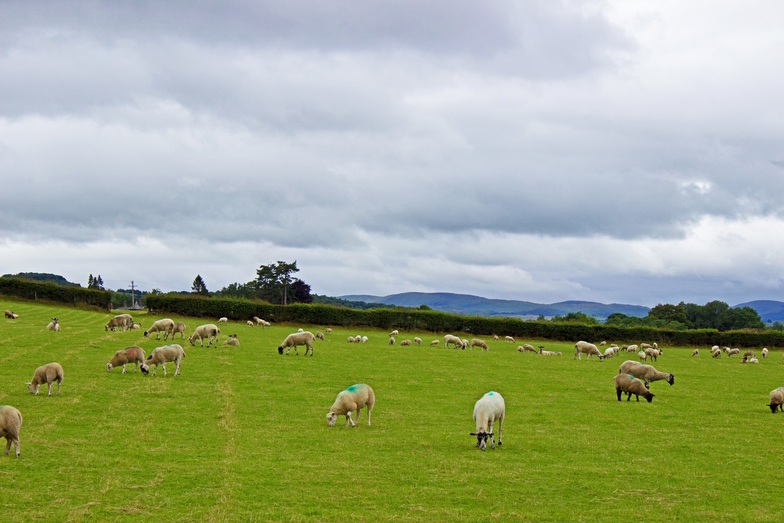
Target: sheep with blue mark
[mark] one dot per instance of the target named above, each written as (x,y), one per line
(487,410)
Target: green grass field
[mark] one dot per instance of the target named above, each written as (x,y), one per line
(241,434)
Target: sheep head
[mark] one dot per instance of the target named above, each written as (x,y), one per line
(331,418)
(280,349)
(145,369)
(481,438)
(109,367)
(671,379)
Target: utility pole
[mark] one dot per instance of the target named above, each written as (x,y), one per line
(133,296)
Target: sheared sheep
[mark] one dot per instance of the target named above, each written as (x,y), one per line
(164,325)
(295,339)
(476,342)
(631,385)
(405,343)
(48,374)
(591,350)
(122,357)
(652,353)
(648,373)
(352,400)
(53,325)
(223,319)
(394,333)
(162,355)
(509,339)
(123,321)
(208,331)
(487,410)
(632,348)
(179,327)
(435,343)
(776,401)
(454,340)
(319,335)
(10,423)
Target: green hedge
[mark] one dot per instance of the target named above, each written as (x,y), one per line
(35,290)
(441,322)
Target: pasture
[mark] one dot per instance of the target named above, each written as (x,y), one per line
(241,434)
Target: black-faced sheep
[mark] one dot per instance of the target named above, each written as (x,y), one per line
(162,355)
(11,316)
(418,340)
(10,423)
(296,339)
(591,350)
(53,325)
(208,331)
(122,357)
(49,373)
(123,321)
(645,372)
(776,400)
(487,410)
(631,385)
(352,400)
(164,325)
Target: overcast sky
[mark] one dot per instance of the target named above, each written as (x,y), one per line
(615,151)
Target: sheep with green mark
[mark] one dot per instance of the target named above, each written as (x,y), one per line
(353,399)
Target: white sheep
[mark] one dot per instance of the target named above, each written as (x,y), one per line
(53,325)
(647,373)
(509,339)
(642,356)
(653,353)
(352,400)
(319,335)
(357,339)
(123,321)
(526,348)
(487,410)
(162,355)
(695,352)
(298,338)
(391,340)
(764,352)
(328,330)
(122,357)
(48,374)
(10,423)
(232,340)
(405,343)
(454,340)
(631,385)
(476,342)
(208,331)
(716,353)
(350,339)
(164,325)
(776,401)
(632,348)
(250,323)
(548,352)
(364,339)
(394,333)
(435,343)
(609,352)
(179,327)
(223,319)
(591,350)
(418,340)
(733,352)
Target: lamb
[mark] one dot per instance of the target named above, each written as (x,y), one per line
(448,338)
(648,373)
(652,353)
(764,352)
(53,325)
(776,401)
(695,352)
(10,423)
(122,357)
(405,343)
(364,339)
(476,342)
(391,340)
(11,316)
(352,400)
(487,410)
(631,385)
(232,340)
(223,319)
(162,355)
(418,341)
(583,347)
(179,327)
(632,348)
(733,352)
(320,335)
(164,325)
(250,323)
(124,321)
(435,343)
(208,331)
(295,339)
(48,374)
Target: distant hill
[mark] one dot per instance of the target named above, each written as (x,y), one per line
(770,311)
(43,276)
(477,306)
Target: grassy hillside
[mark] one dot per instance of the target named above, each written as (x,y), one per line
(241,434)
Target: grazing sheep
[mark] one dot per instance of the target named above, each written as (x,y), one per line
(435,343)
(418,341)
(642,356)
(122,357)
(776,401)
(476,342)
(526,348)
(652,353)
(250,323)
(179,327)
(11,316)
(352,400)
(733,352)
(748,354)
(646,346)
(753,359)
(164,325)
(631,385)
(648,373)
(764,352)
(123,321)
(632,348)
(232,340)
(454,340)
(208,331)
(695,352)
(53,325)
(509,339)
(162,355)
(364,339)
(487,410)
(350,339)
(223,319)
(10,423)
(394,333)
(328,330)
(295,339)
(357,339)
(715,347)
(602,342)
(609,352)
(391,340)
(48,374)
(716,353)
(405,343)
(495,337)
(591,350)
(319,335)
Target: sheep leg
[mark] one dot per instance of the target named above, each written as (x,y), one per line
(123,368)
(500,425)
(177,370)
(8,445)
(164,369)
(369,408)
(619,392)
(50,388)
(58,386)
